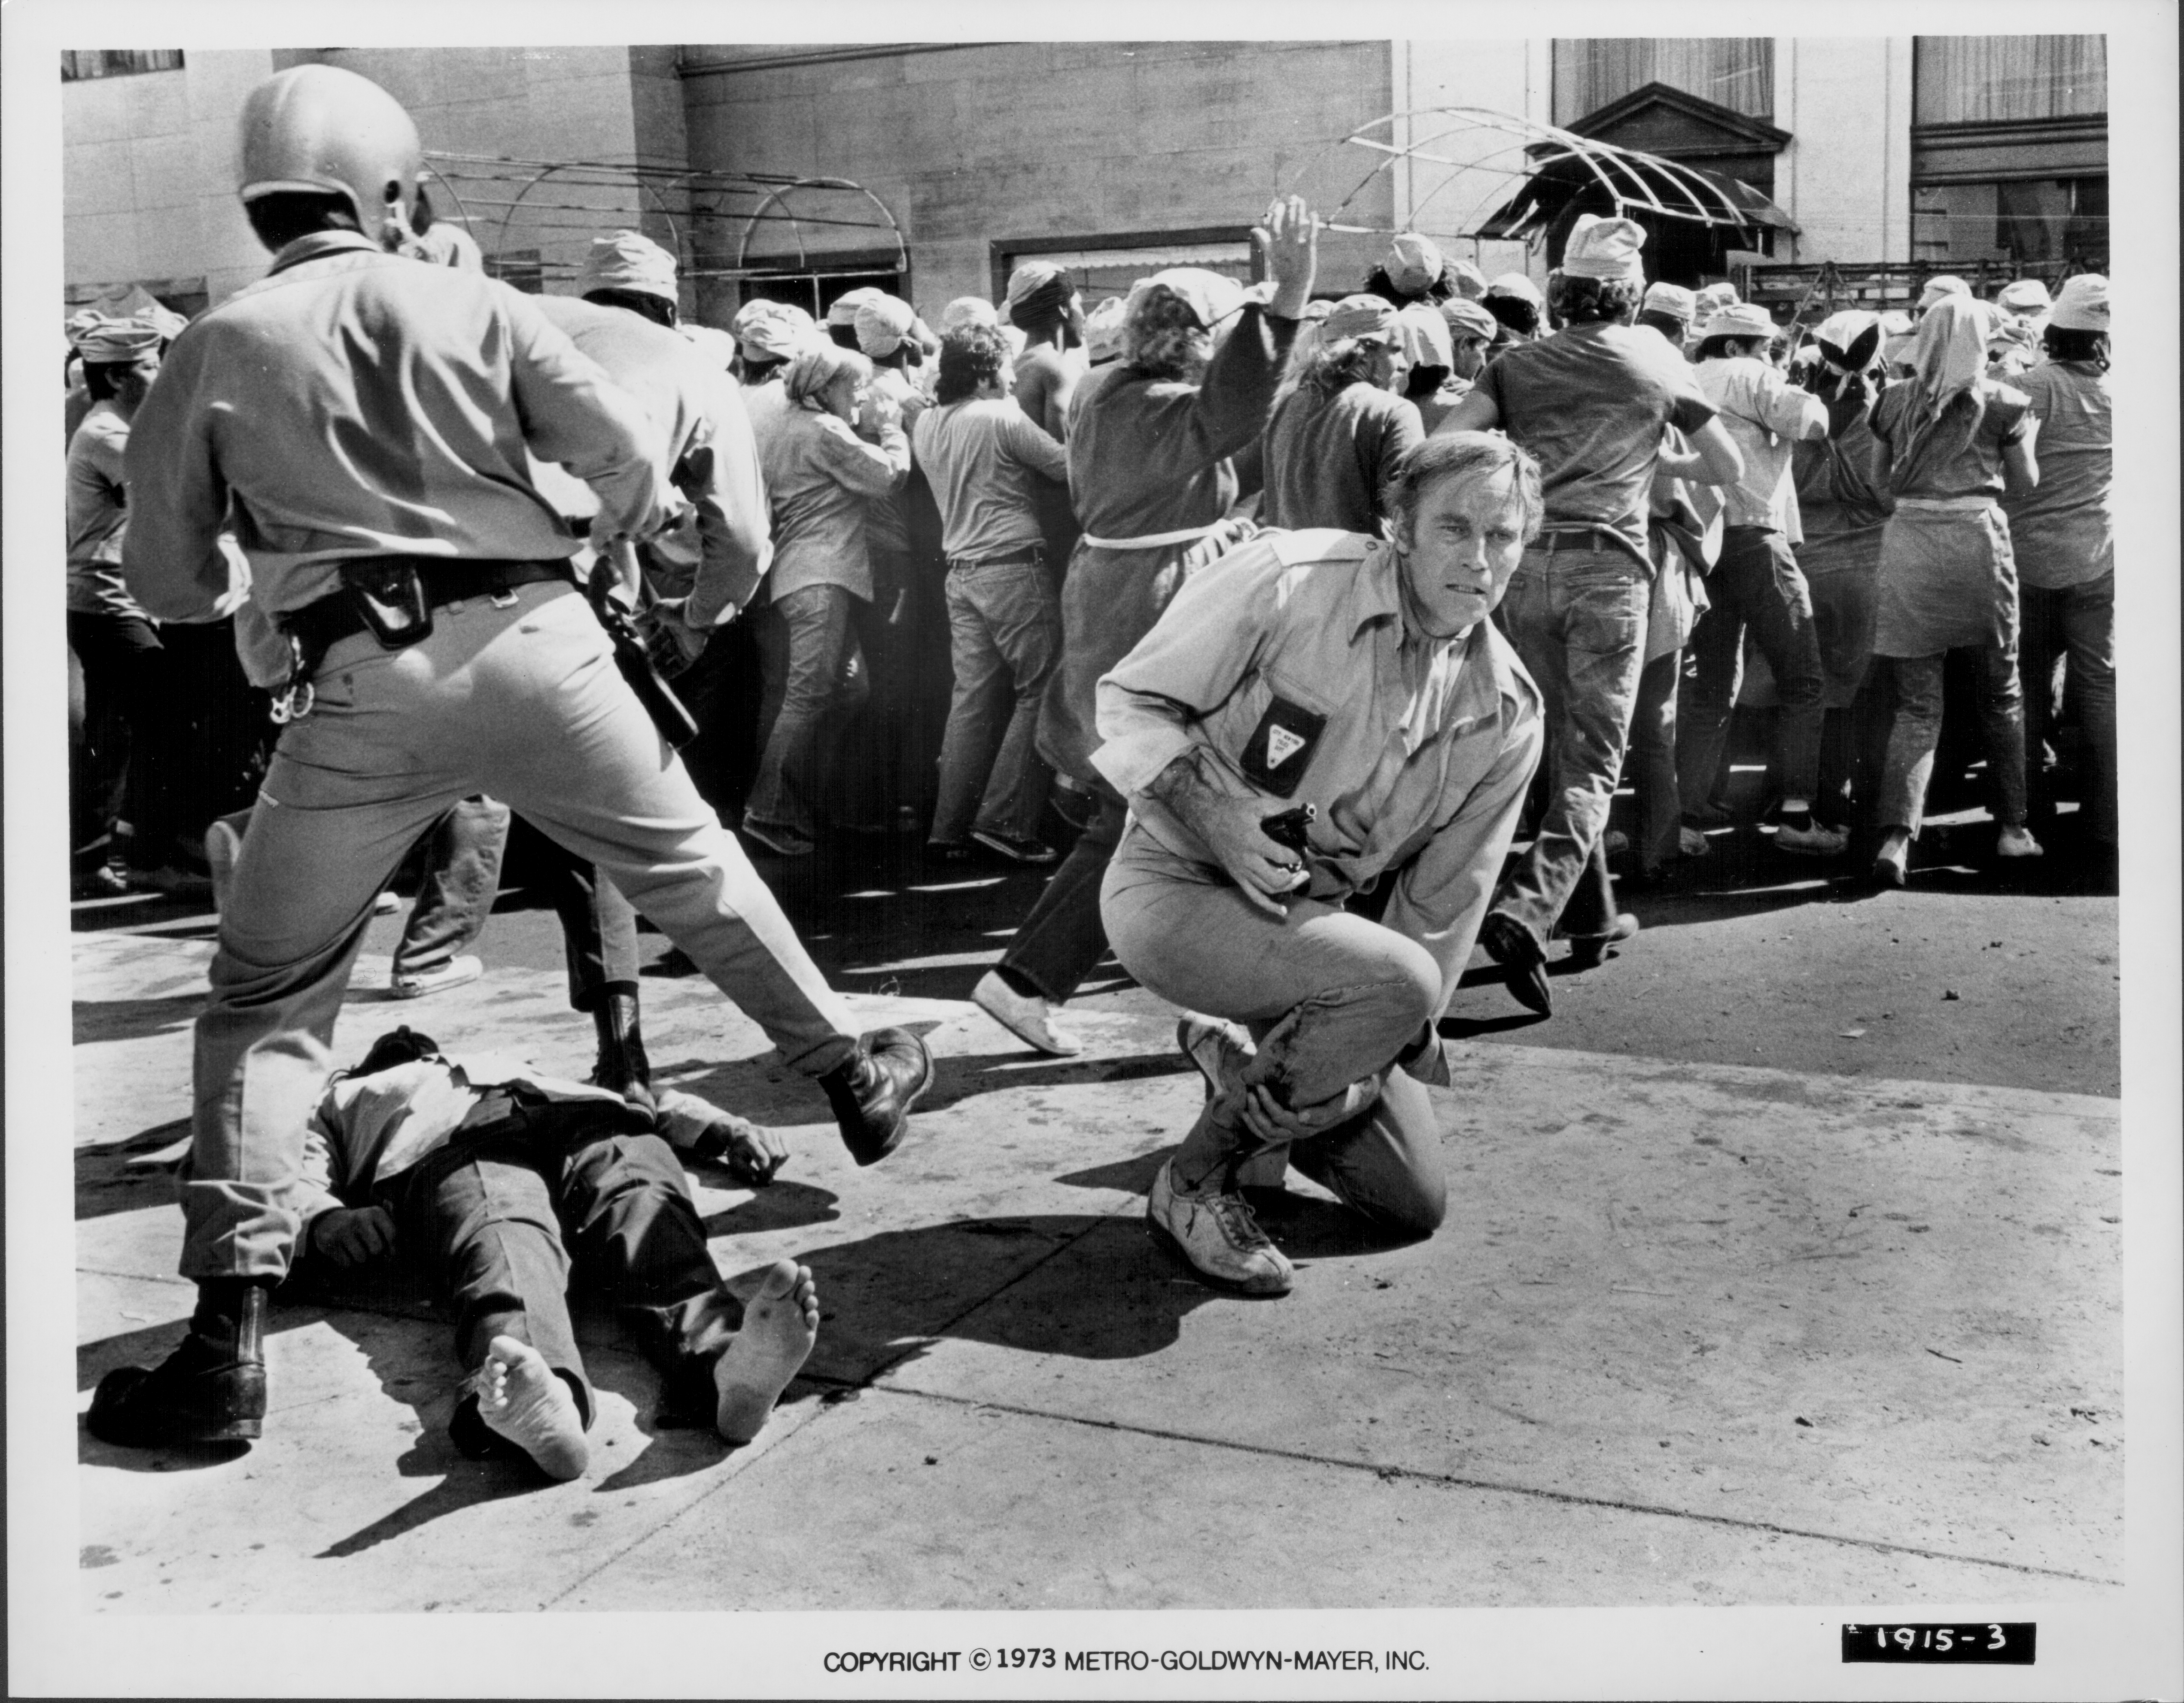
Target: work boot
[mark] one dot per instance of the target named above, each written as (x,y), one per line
(622,1065)
(1510,944)
(872,1092)
(211,1389)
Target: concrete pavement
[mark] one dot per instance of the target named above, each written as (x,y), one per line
(1699,1329)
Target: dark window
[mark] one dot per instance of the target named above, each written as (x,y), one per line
(2022,222)
(2006,79)
(815,291)
(80,64)
(1732,71)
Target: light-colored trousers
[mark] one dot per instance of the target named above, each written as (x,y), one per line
(522,702)
(1328,996)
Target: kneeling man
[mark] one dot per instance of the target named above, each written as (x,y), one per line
(1362,678)
(495,1180)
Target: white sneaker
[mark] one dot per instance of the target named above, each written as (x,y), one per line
(1819,840)
(2017,842)
(452,974)
(1030,1019)
(388,903)
(1217,1234)
(223,846)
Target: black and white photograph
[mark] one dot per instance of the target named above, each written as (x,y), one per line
(1195,862)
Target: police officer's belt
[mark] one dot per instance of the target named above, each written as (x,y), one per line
(319,626)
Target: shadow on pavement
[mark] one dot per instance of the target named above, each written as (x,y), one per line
(131,1020)
(127,1176)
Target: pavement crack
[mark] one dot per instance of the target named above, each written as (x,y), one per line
(1457,1482)
(746,1458)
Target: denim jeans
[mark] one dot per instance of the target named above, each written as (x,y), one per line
(1005,637)
(1577,618)
(2078,621)
(125,772)
(814,683)
(526,704)
(1915,733)
(1755,584)
(1330,997)
(1064,939)
(1653,762)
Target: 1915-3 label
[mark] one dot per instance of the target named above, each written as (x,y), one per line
(2007,1642)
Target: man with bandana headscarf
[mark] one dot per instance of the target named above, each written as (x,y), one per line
(1591,402)
(1042,301)
(1945,438)
(129,716)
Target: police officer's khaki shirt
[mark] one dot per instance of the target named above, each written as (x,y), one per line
(354,404)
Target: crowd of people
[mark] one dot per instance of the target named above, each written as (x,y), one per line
(1273,618)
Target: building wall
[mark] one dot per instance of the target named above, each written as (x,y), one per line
(1846,178)
(147,165)
(971,147)
(1513,76)
(149,159)
(529,104)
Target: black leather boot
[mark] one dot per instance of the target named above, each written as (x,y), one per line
(622,1065)
(211,1389)
(873,1092)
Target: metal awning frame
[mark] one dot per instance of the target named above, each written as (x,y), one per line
(1633,181)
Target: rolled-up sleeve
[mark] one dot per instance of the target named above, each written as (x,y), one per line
(1788,412)
(1199,650)
(870,470)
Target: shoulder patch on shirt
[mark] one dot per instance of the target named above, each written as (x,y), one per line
(1280,748)
(1318,543)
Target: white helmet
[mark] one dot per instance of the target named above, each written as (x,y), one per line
(321,128)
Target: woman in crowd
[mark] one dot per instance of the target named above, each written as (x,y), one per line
(1151,442)
(821,479)
(1845,509)
(1948,577)
(1334,441)
(2064,533)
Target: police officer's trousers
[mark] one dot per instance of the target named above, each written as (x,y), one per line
(522,702)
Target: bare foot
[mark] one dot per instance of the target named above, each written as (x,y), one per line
(780,1325)
(523,1399)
